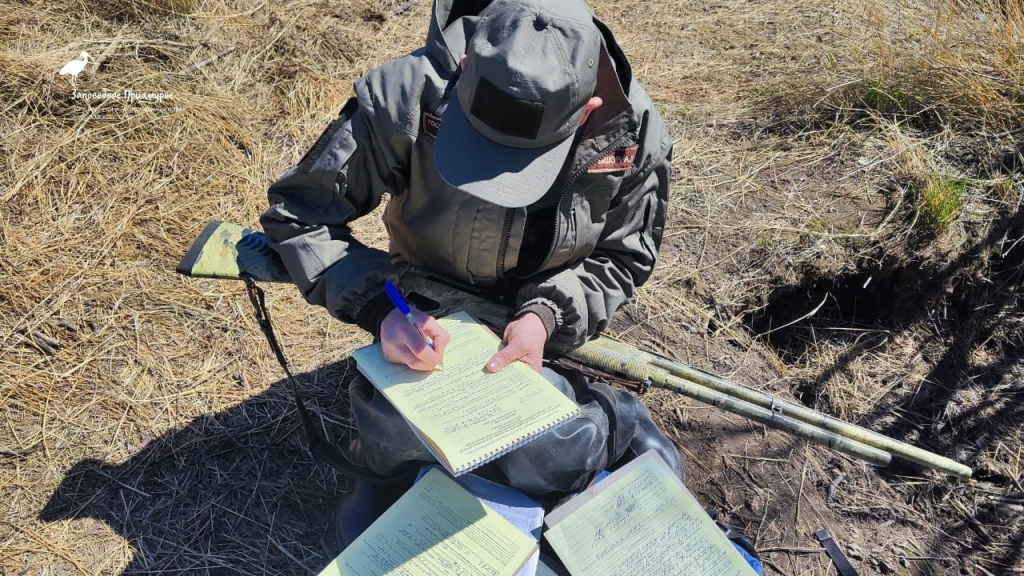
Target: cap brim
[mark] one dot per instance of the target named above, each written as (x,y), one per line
(503,175)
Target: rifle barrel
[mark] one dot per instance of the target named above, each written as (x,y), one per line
(629,366)
(646,367)
(817,419)
(772,419)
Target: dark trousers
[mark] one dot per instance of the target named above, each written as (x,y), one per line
(564,459)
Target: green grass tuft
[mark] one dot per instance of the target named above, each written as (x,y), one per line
(938,203)
(885,99)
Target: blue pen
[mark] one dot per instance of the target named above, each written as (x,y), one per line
(399,302)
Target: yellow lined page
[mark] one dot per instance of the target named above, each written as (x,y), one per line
(641,520)
(467,415)
(437,527)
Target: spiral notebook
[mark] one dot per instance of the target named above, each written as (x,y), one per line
(438,527)
(464,415)
(641,520)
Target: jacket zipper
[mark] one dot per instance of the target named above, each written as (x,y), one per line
(506,236)
(572,180)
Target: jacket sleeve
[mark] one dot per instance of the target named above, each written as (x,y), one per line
(581,297)
(342,177)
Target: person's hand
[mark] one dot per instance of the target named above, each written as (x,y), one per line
(524,341)
(402,344)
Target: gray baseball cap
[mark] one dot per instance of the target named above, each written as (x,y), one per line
(531,67)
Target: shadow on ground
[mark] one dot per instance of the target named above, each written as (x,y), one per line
(971,398)
(233,492)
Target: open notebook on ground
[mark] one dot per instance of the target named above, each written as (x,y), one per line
(641,520)
(469,526)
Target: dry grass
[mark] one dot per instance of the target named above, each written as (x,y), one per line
(99,202)
(145,424)
(941,63)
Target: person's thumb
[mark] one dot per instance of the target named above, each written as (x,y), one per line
(501,358)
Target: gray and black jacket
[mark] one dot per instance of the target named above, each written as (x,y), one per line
(573,257)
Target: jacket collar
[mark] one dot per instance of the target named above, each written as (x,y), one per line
(615,116)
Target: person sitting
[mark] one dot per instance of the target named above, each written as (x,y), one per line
(522,158)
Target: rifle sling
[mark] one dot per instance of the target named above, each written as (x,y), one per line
(315,443)
(835,553)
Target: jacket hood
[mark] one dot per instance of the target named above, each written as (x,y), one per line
(451,24)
